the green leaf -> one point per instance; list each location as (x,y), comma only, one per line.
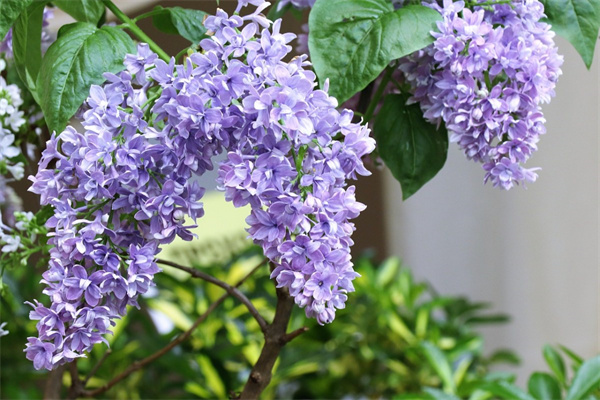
(544,386)
(181,21)
(505,390)
(352,41)
(82,10)
(77,60)
(276,12)
(27,45)
(504,356)
(387,271)
(461,370)
(437,394)
(440,364)
(9,12)
(412,148)
(488,319)
(586,379)
(577,21)
(577,360)
(412,397)
(213,380)
(555,362)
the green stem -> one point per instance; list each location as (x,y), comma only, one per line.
(181,53)
(375,100)
(136,30)
(489,3)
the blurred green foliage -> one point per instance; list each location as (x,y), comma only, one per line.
(395,337)
(583,385)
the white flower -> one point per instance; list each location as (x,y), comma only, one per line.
(13,243)
(2,325)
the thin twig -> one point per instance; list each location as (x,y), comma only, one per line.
(95,369)
(230,289)
(179,339)
(293,335)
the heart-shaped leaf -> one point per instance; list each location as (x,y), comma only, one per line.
(352,41)
(577,21)
(77,60)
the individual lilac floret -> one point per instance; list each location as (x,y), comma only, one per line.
(485,77)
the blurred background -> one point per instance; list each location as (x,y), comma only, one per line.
(532,253)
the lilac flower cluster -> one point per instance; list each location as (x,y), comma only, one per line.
(125,185)
(6,45)
(291,165)
(485,76)
(119,190)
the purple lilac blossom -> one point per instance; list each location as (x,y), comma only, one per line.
(123,187)
(485,77)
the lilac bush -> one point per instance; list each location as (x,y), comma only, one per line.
(125,186)
(116,190)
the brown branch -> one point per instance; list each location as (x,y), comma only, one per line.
(293,335)
(54,383)
(275,339)
(233,291)
(179,339)
(76,383)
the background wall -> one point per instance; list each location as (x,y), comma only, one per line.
(532,253)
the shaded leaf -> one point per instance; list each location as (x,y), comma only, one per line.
(412,148)
(27,45)
(184,22)
(488,319)
(505,356)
